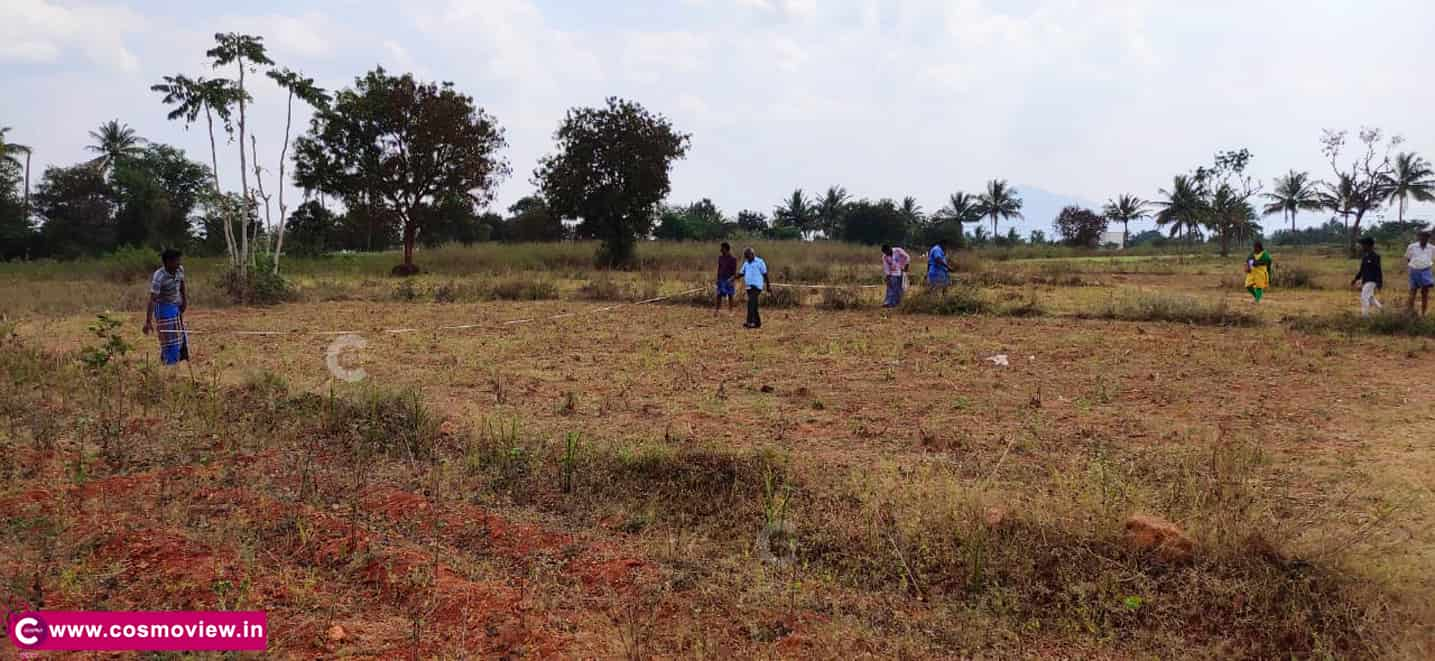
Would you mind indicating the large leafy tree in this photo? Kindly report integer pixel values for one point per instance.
(1124, 209)
(611, 169)
(1368, 171)
(1410, 177)
(829, 210)
(114, 142)
(214, 98)
(1000, 202)
(751, 221)
(11, 152)
(16, 233)
(1183, 209)
(402, 145)
(872, 223)
(796, 212)
(157, 191)
(1079, 227)
(311, 229)
(533, 220)
(1293, 193)
(77, 207)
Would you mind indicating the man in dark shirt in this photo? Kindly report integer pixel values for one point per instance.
(1369, 278)
(727, 270)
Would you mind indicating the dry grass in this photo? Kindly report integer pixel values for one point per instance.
(659, 466)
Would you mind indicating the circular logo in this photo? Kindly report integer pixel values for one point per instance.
(345, 344)
(27, 630)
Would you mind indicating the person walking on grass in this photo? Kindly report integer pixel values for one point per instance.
(168, 299)
(726, 272)
(1258, 272)
(1370, 277)
(939, 270)
(894, 271)
(1420, 257)
(754, 274)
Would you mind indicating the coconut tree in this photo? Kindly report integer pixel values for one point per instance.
(911, 211)
(113, 142)
(1411, 177)
(830, 209)
(1124, 209)
(1341, 198)
(8, 152)
(796, 212)
(1183, 207)
(1294, 192)
(214, 98)
(1000, 202)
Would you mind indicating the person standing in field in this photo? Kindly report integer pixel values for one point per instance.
(894, 270)
(1420, 257)
(726, 272)
(168, 299)
(939, 270)
(1258, 272)
(1370, 277)
(754, 274)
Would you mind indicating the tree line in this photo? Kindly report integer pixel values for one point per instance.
(391, 161)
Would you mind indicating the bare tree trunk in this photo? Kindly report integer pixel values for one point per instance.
(218, 193)
(259, 187)
(283, 154)
(243, 176)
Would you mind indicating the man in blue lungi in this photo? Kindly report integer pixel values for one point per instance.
(168, 300)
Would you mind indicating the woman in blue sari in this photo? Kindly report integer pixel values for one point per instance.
(168, 300)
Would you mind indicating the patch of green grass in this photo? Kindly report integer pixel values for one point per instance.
(1391, 323)
(954, 300)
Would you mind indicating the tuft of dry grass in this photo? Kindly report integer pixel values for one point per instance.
(1173, 308)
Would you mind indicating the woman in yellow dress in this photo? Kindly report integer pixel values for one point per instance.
(1258, 271)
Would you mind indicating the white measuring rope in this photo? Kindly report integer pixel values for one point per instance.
(402, 331)
(776, 284)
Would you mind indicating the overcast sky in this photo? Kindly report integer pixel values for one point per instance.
(1080, 99)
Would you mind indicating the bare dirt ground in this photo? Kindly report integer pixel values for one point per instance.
(1342, 424)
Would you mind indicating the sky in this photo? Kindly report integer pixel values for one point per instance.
(1069, 100)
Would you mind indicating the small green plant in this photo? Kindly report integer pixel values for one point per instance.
(570, 459)
(112, 346)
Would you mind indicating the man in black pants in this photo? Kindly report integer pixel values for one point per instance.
(754, 274)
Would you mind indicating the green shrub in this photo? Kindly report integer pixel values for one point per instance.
(1293, 277)
(1171, 308)
(130, 264)
(954, 300)
(258, 286)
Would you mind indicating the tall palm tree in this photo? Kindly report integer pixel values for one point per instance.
(1124, 209)
(829, 210)
(1410, 177)
(113, 142)
(1000, 201)
(1294, 193)
(796, 211)
(912, 212)
(1183, 207)
(8, 151)
(1340, 198)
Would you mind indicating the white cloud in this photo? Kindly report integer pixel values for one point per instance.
(43, 31)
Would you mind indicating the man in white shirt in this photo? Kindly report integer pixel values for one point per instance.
(894, 271)
(1420, 257)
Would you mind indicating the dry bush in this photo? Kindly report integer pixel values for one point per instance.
(842, 298)
(1389, 323)
(1172, 308)
(522, 289)
(954, 300)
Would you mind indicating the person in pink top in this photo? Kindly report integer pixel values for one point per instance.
(894, 271)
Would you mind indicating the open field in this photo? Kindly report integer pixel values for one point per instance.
(653, 481)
